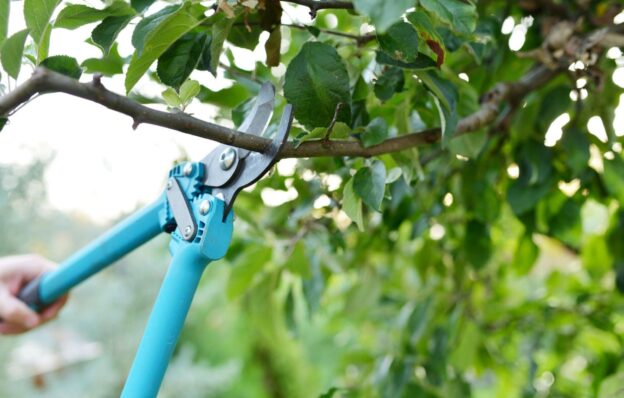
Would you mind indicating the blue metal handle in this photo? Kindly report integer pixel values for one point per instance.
(120, 240)
(175, 297)
(165, 323)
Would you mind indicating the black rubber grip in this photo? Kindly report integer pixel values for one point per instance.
(30, 294)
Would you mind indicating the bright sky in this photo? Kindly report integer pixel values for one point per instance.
(101, 167)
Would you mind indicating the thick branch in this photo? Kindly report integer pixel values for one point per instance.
(315, 5)
(46, 81)
(486, 114)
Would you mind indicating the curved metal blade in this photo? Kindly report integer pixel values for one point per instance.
(255, 123)
(258, 119)
(256, 164)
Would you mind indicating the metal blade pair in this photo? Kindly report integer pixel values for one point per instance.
(229, 170)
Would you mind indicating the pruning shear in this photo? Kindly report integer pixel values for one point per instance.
(196, 209)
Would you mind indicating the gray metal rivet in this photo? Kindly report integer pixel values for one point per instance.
(188, 231)
(169, 184)
(188, 169)
(204, 207)
(227, 158)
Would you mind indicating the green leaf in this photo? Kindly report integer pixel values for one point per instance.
(423, 62)
(141, 5)
(370, 184)
(298, 262)
(245, 268)
(376, 132)
(105, 34)
(330, 393)
(177, 63)
(468, 145)
(595, 255)
(360, 91)
(421, 21)
(446, 98)
(3, 122)
(555, 102)
(613, 177)
(464, 353)
(148, 24)
(11, 55)
(5, 6)
(400, 42)
(459, 15)
(63, 64)
(226, 98)
(612, 386)
(109, 65)
(246, 36)
(575, 145)
(316, 82)
(159, 40)
(477, 244)
(409, 162)
(352, 205)
(479, 196)
(525, 255)
(535, 179)
(188, 91)
(205, 59)
(43, 47)
(220, 31)
(37, 14)
(561, 217)
(382, 13)
(390, 82)
(172, 98)
(76, 15)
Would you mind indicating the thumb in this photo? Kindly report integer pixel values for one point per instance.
(13, 311)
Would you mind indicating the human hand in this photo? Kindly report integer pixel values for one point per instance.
(15, 272)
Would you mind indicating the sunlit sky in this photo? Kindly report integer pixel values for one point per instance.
(101, 166)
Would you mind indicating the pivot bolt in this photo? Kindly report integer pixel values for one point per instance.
(188, 169)
(204, 207)
(227, 159)
(188, 231)
(169, 183)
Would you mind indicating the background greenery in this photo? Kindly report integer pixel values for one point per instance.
(487, 265)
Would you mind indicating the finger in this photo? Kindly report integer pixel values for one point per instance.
(27, 266)
(16, 312)
(9, 328)
(53, 310)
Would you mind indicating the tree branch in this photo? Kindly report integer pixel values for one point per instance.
(46, 81)
(359, 39)
(315, 5)
(485, 115)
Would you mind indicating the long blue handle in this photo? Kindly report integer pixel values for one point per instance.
(117, 242)
(165, 323)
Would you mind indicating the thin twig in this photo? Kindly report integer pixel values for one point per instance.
(359, 39)
(330, 128)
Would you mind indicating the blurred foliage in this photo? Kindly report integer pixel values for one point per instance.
(489, 265)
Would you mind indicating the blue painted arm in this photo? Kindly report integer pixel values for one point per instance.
(174, 299)
(117, 242)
